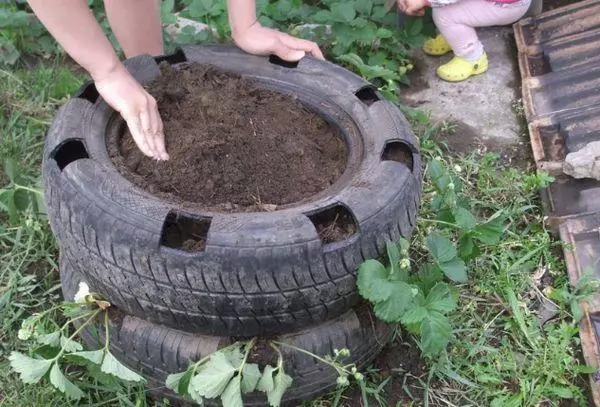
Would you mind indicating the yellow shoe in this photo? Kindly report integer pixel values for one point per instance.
(459, 69)
(437, 46)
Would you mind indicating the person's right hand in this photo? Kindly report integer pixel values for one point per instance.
(139, 109)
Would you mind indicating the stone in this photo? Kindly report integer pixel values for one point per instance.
(584, 163)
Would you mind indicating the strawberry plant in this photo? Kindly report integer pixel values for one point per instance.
(421, 300)
(55, 346)
(227, 374)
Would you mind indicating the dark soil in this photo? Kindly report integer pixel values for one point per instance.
(233, 147)
(402, 363)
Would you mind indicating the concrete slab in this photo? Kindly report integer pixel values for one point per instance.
(482, 106)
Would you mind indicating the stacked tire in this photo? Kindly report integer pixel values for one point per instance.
(258, 274)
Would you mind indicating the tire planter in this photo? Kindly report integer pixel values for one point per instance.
(156, 351)
(260, 273)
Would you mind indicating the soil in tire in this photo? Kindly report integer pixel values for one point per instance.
(233, 147)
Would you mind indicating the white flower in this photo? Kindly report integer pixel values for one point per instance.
(404, 264)
(24, 334)
(84, 291)
(457, 168)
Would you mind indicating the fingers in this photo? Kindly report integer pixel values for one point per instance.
(159, 139)
(147, 132)
(303, 45)
(287, 53)
(156, 131)
(135, 128)
(146, 128)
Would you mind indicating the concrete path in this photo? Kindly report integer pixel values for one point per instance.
(483, 107)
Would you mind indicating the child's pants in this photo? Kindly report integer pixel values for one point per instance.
(457, 22)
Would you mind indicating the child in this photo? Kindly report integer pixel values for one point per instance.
(456, 21)
(137, 26)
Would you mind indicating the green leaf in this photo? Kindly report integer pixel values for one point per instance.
(58, 380)
(441, 248)
(576, 310)
(491, 231)
(180, 382)
(464, 218)
(112, 366)
(250, 377)
(70, 345)
(393, 256)
(213, 377)
(234, 356)
(343, 12)
(384, 33)
(10, 165)
(467, 249)
(364, 7)
(51, 339)
(435, 333)
(322, 17)
(372, 281)
(440, 299)
(392, 309)
(94, 356)
(414, 315)
(9, 54)
(414, 26)
(282, 382)
(518, 315)
(232, 396)
(584, 369)
(266, 384)
(455, 270)
(31, 370)
(173, 381)
(562, 392)
(429, 275)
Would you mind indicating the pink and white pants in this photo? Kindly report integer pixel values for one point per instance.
(457, 22)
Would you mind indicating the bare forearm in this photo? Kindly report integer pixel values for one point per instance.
(74, 26)
(242, 15)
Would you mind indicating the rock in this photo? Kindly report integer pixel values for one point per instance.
(584, 163)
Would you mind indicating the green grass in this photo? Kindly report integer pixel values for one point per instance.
(499, 352)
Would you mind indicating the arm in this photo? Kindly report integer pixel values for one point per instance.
(73, 25)
(253, 38)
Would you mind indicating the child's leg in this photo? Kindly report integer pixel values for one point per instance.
(457, 23)
(136, 24)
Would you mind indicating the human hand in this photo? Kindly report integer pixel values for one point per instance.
(259, 40)
(139, 109)
(413, 7)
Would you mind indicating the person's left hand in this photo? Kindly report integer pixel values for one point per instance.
(413, 7)
(260, 40)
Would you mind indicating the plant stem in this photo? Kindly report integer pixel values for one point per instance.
(249, 346)
(77, 331)
(441, 222)
(205, 358)
(320, 359)
(106, 334)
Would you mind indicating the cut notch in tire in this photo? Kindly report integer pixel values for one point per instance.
(183, 232)
(88, 92)
(69, 151)
(400, 152)
(334, 224)
(275, 60)
(368, 95)
(178, 57)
